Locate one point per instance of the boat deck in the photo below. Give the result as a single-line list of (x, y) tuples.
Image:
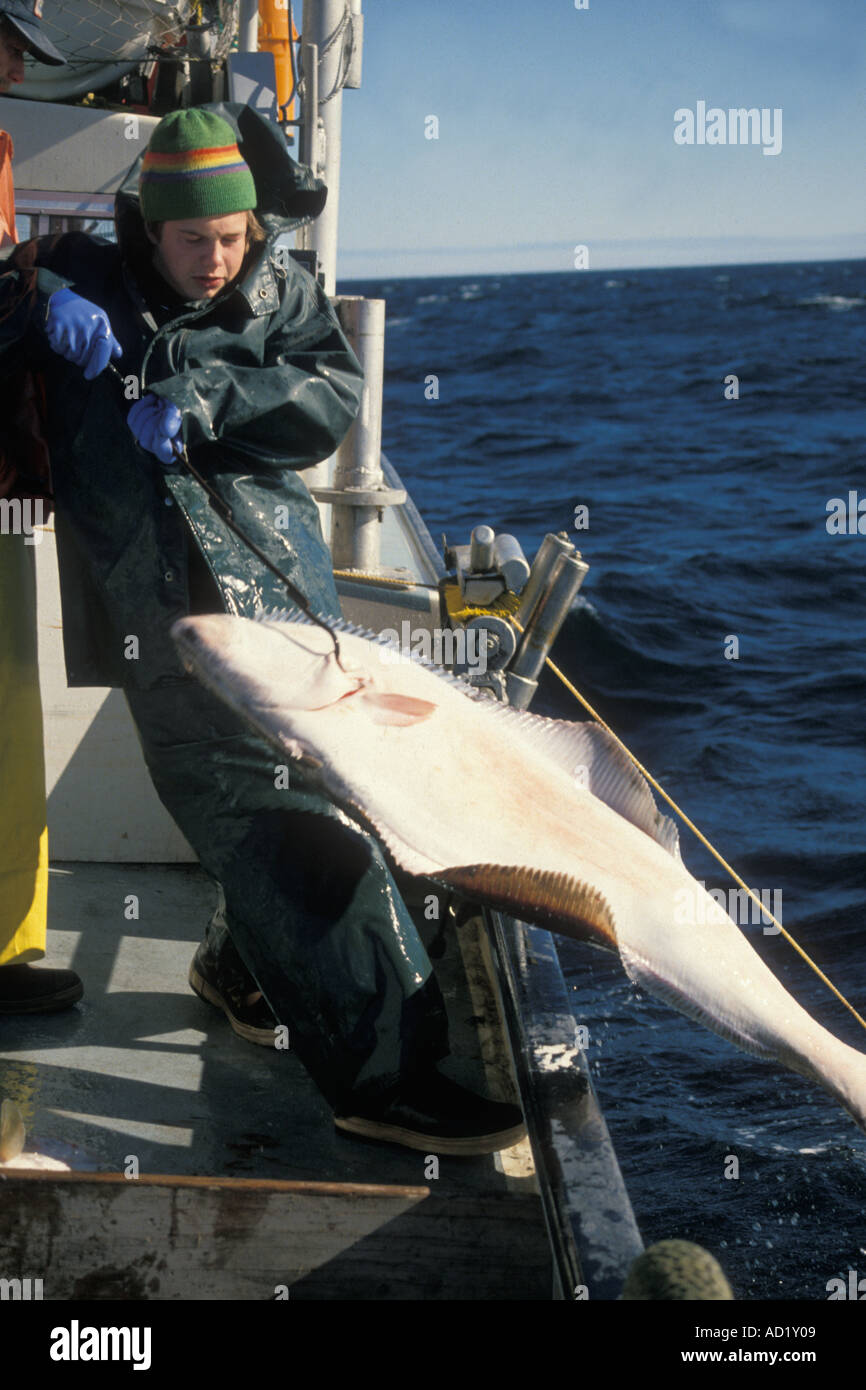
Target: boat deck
[(143, 1070), (242, 1186), (142, 1066)]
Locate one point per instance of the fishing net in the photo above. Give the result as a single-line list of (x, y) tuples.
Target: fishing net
[(106, 30), (102, 38)]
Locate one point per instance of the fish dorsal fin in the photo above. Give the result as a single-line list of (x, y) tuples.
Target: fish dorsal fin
[(338, 625), (609, 774), (12, 1133), (556, 901), (592, 756)]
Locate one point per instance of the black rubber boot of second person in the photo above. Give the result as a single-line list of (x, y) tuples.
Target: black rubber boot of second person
[(26, 989)]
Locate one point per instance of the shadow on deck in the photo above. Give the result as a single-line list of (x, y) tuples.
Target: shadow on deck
[(235, 1149)]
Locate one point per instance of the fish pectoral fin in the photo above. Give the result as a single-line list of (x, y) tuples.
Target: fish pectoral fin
[(548, 899), (396, 709)]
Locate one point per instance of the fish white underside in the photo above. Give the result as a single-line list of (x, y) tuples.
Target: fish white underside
[(13, 1155), (27, 1162), (491, 801)]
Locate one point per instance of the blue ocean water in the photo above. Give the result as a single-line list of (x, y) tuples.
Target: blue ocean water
[(707, 520)]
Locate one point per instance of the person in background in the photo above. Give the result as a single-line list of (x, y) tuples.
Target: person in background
[(23, 833)]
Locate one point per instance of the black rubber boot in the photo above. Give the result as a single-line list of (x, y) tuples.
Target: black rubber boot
[(27, 989), (219, 976), (429, 1112)]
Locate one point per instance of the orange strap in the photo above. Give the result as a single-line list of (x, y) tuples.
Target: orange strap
[(7, 190)]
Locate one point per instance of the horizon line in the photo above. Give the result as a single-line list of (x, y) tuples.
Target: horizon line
[(607, 242), (600, 270)]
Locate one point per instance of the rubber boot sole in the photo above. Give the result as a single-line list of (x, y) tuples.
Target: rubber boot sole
[(430, 1143), (263, 1037), (45, 1004)]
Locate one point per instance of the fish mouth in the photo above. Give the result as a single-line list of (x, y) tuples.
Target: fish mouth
[(201, 658), (191, 646)]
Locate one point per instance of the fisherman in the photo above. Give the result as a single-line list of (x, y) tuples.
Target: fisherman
[(226, 345), (23, 834)]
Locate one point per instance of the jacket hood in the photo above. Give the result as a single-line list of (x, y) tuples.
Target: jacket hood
[(289, 194)]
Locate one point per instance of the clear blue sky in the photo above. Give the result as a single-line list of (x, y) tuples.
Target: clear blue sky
[(556, 128)]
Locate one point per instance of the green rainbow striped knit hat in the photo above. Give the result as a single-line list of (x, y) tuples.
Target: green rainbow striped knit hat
[(193, 168)]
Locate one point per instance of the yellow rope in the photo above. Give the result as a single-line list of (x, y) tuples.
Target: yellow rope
[(364, 577), (703, 839), (506, 606)]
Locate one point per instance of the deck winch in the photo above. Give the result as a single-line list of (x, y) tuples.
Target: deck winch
[(518, 609)]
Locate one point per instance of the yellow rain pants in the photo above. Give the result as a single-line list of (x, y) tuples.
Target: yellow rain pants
[(23, 833)]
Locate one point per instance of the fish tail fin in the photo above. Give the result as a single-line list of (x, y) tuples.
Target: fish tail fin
[(848, 1085)]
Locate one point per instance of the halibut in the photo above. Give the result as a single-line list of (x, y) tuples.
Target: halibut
[(543, 818)]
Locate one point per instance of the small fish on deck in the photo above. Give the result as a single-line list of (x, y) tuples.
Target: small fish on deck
[(13, 1155), (543, 818)]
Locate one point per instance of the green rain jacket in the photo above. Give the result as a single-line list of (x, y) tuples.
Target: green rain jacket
[(266, 384)]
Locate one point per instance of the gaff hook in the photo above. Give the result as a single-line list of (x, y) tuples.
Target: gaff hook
[(224, 511)]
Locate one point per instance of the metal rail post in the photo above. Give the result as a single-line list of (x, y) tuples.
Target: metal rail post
[(324, 25), (359, 492), (248, 26)]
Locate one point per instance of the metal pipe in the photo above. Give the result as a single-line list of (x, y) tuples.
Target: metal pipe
[(248, 27), (359, 491), (538, 637), (543, 566), (548, 617), (309, 127), (353, 75), (322, 20), (509, 559), (363, 322), (481, 548)]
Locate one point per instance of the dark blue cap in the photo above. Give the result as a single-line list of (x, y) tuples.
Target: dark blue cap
[(25, 17)]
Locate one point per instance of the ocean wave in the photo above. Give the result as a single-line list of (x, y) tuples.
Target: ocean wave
[(700, 515), (839, 302)]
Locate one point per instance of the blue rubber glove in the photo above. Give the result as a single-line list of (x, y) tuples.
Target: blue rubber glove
[(155, 422), (80, 332)]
